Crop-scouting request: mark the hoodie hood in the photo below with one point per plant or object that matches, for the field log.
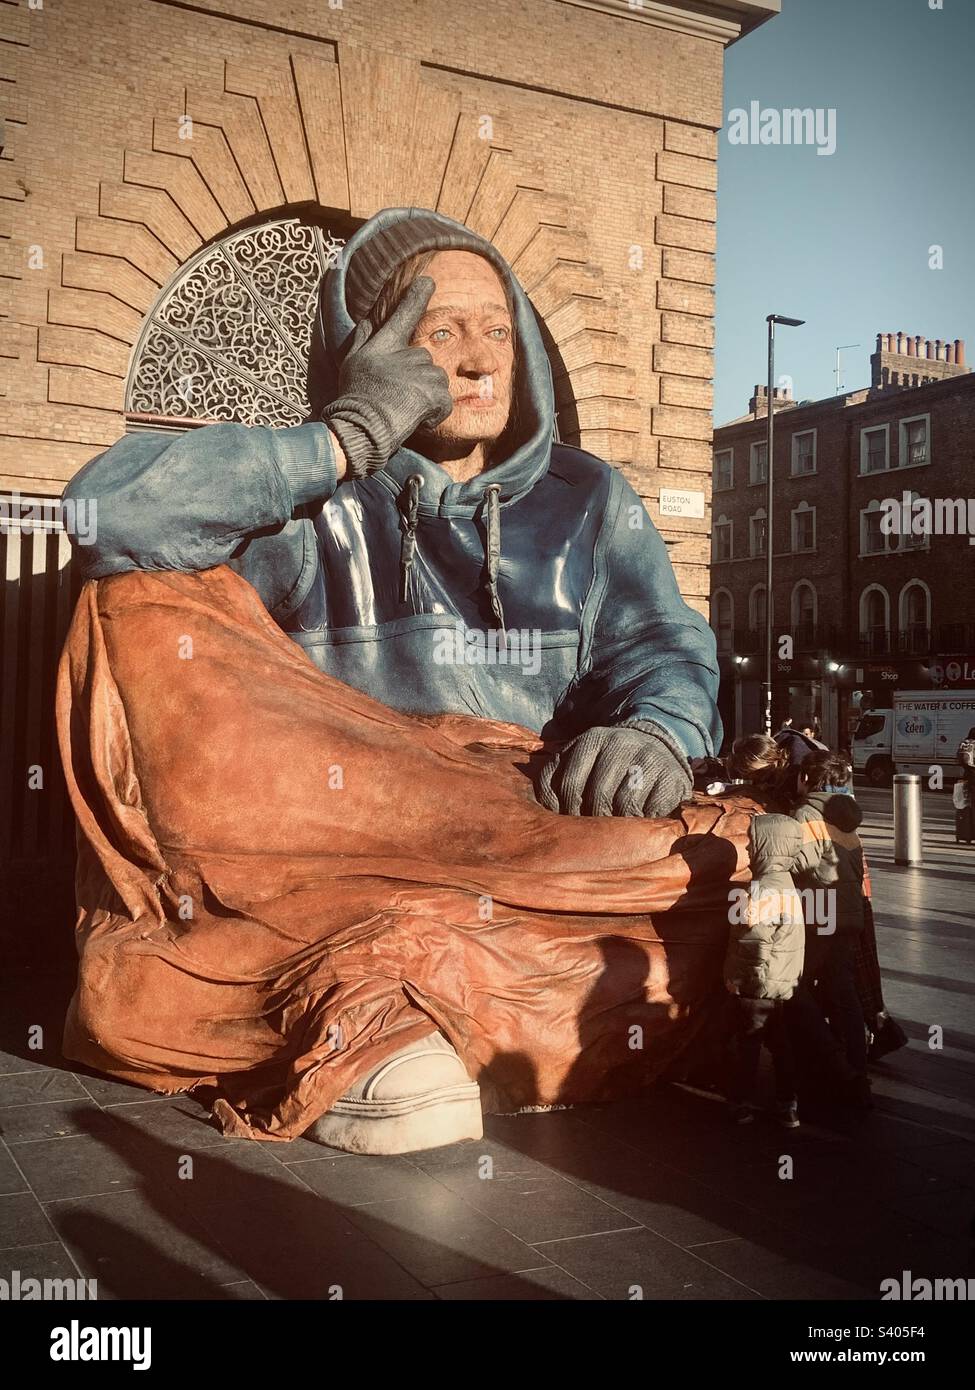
(836, 808)
(530, 453)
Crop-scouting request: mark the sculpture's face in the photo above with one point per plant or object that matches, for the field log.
(467, 330)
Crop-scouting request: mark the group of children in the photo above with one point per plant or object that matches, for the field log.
(790, 965)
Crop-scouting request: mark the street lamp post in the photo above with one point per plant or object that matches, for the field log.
(772, 320)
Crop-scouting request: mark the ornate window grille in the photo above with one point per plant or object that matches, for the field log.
(228, 338)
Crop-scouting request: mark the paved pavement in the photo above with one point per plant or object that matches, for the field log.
(659, 1197)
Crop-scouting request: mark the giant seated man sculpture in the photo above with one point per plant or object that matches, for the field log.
(378, 729)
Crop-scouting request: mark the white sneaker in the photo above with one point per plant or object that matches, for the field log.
(420, 1098)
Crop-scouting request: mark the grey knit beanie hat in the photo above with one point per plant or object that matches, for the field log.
(374, 262)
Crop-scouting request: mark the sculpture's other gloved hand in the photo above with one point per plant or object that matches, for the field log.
(387, 388)
(636, 770)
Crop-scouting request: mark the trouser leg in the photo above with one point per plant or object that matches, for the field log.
(843, 1004)
(749, 1018)
(779, 1044)
(810, 1035)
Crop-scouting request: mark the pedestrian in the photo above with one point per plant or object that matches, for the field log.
(963, 792)
(764, 765)
(764, 962)
(829, 815)
(777, 775)
(802, 742)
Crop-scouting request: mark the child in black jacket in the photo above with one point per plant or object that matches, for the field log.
(828, 813)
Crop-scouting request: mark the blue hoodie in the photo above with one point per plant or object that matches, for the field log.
(403, 592)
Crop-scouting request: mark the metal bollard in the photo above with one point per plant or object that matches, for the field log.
(907, 819)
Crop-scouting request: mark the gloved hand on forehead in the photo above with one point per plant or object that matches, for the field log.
(632, 770)
(386, 387)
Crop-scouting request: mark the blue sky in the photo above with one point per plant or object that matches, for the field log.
(842, 240)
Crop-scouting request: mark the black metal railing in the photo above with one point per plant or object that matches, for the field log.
(837, 641)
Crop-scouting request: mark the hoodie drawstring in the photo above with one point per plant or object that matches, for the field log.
(409, 509)
(492, 504)
(409, 516)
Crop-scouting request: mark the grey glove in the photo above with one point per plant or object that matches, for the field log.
(631, 770)
(387, 388)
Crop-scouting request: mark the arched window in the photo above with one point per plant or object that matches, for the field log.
(723, 538)
(723, 619)
(804, 613)
(756, 609)
(875, 619)
(804, 527)
(915, 616)
(228, 337)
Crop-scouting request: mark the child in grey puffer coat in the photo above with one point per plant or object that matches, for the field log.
(764, 959)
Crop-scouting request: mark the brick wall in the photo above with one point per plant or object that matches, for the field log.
(598, 182)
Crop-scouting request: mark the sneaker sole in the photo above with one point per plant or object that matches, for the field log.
(402, 1126)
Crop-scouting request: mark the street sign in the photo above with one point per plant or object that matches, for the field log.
(681, 502)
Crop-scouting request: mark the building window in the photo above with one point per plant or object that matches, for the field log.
(915, 617)
(906, 537)
(758, 463)
(914, 441)
(756, 609)
(803, 453)
(724, 470)
(756, 534)
(723, 619)
(723, 539)
(875, 449)
(804, 613)
(804, 527)
(873, 540)
(875, 619)
(248, 299)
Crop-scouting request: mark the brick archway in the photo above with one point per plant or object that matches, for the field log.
(365, 131)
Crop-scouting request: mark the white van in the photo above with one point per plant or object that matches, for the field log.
(923, 729)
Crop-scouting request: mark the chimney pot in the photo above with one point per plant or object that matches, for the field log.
(929, 348)
(959, 352)
(880, 342)
(939, 351)
(949, 352)
(900, 342)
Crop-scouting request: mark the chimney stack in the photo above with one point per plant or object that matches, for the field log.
(758, 405)
(896, 364)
